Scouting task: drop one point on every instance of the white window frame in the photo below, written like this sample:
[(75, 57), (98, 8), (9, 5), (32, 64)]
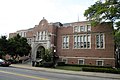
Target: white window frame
[(88, 27), (75, 28), (99, 41), (66, 47), (82, 28), (82, 60), (66, 60), (81, 42), (101, 61)]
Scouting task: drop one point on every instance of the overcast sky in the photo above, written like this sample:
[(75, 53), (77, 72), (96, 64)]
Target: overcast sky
[(23, 14)]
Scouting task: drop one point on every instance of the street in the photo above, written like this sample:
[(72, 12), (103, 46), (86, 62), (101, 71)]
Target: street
[(10, 73)]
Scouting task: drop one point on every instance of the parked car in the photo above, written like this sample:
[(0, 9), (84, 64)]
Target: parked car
[(4, 63)]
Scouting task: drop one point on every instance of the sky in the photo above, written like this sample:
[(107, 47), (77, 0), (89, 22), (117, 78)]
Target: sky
[(24, 14)]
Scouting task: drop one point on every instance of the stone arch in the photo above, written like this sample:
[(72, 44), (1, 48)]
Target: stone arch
[(38, 50), (35, 48)]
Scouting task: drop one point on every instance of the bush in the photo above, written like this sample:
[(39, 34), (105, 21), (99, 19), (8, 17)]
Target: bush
[(61, 63), (77, 65), (48, 64), (13, 61), (107, 70)]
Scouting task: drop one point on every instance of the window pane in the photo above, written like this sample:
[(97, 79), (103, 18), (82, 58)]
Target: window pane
[(65, 60), (76, 29), (82, 28), (99, 63), (81, 62), (88, 28), (99, 41), (75, 38), (65, 42), (67, 39)]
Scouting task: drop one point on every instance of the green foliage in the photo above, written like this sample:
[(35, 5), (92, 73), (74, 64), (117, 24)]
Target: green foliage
[(3, 46), (18, 46), (117, 37), (14, 46), (107, 70), (48, 64), (78, 65), (109, 11), (47, 57), (61, 63)]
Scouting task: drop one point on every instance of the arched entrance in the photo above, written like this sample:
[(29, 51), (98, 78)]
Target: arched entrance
[(40, 52)]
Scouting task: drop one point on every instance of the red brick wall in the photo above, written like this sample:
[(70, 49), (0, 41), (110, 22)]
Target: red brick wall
[(108, 52)]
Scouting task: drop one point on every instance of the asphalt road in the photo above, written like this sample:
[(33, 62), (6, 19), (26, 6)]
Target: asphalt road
[(10, 73)]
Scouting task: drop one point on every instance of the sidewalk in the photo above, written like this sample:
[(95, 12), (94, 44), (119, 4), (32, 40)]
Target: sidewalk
[(81, 73)]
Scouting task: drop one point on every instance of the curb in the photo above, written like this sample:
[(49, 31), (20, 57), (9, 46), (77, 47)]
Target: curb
[(81, 73)]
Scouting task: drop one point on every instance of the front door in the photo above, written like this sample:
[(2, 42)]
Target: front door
[(40, 52)]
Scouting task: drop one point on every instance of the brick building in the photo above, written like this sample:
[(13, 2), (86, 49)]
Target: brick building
[(74, 43)]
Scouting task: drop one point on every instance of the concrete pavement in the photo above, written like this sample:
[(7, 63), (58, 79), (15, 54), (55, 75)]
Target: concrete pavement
[(81, 73)]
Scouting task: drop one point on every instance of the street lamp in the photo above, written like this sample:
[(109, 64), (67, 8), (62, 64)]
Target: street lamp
[(54, 50)]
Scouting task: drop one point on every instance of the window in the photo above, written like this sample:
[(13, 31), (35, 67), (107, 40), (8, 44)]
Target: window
[(81, 61), (38, 36), (88, 28), (65, 60), (76, 28), (65, 42), (99, 63), (82, 28), (41, 35), (82, 41), (100, 41)]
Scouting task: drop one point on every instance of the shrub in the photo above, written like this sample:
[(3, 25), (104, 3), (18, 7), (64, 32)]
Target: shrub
[(47, 57), (77, 65), (13, 61), (48, 64), (107, 70), (61, 63)]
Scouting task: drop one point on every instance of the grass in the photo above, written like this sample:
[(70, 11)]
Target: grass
[(72, 68), (90, 69)]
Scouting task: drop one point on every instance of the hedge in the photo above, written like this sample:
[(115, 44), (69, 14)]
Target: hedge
[(77, 65), (106, 70)]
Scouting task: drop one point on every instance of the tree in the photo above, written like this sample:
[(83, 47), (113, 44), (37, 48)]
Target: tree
[(3, 46), (18, 46), (108, 11)]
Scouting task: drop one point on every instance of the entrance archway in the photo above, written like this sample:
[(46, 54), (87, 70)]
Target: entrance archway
[(40, 52)]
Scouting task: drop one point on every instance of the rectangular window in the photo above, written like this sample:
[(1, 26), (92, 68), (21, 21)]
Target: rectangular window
[(88, 28), (38, 36), (43, 35), (99, 62), (82, 41), (81, 61), (65, 60), (100, 41), (88, 41), (76, 28), (65, 42), (82, 28)]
